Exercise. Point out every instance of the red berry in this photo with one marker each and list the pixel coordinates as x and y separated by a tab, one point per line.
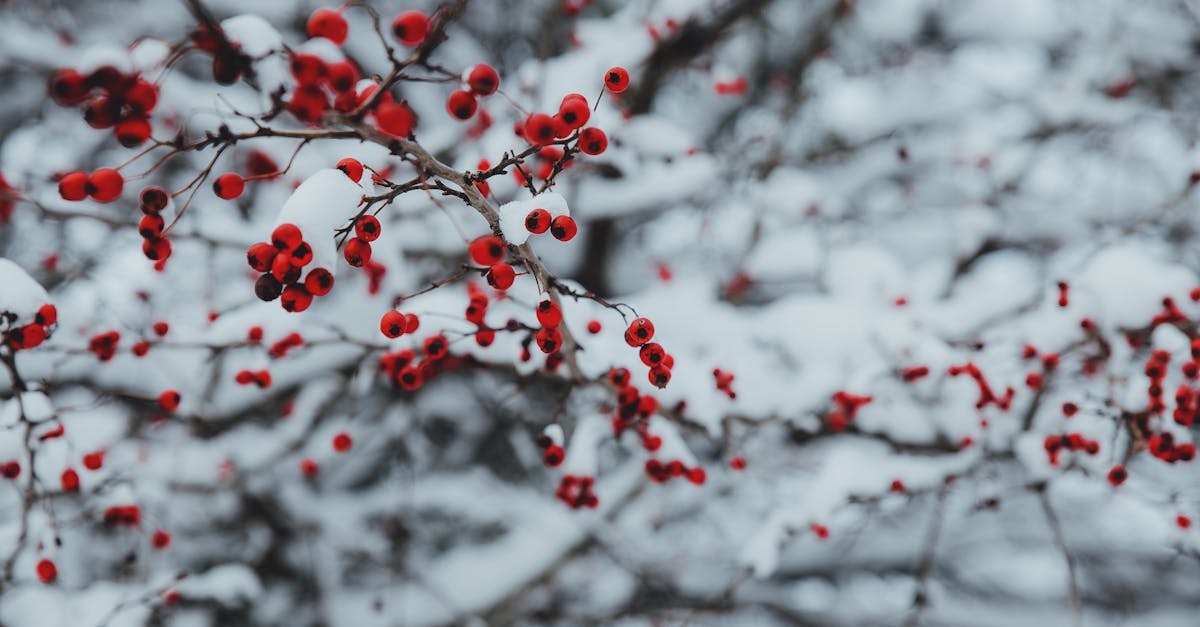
538	221
105	185
69	480
260	256
592	141
563	228
738	463
319	282
161	328
142	97
462	104
47	572
1117	475
392	324
367	228
300	256
540	129
67	87
483	79
160	539
697	475
308	467
352	167
295	298
395	119
593	326
229	186
342	76
169	400
640	331
46	315
156	249
485	337
574	112
342	442
154	199
411	323
436	347
94	460
616	80
410	28
329	24
286	237
151	226
652	354
73	186
549	314
357	252
487	250
10	470
659	376
554	455
548	339
132	132
501	276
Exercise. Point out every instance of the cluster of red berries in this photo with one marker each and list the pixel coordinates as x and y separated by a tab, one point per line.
577	492
661	473
394	324
33	334
553	453
282	261
402	368
116	100
562	227
846	406
549	160
476	311
638	335
316	82
1170	313
285	344
634	409
1062	294
261	378
123	516
986	395
104	345
724	381
155	244
1056	444
357	251
102	185
1163	446
1156	371
481	80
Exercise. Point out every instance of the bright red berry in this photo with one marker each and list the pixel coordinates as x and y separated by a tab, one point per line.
160	539
549	314
169	400
105	185
483	79
593	326
352	167
501	276
357	252
319	282
73	186
368	228
574	112
47	572
538	221
410	28
487	250
392	324
462	104
616	79
540	129
295	298
329	24
286	237
229	185
639	332
309	468
592	141
342	442
69	480
94	460
132	132
563	228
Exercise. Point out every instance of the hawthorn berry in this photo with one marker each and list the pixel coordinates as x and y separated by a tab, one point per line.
342	442
229	186
659	376
286	237
697	475
395	119
94	460
616	79
301	255
141	97
47	572
652	354
485	337
267	288
342	77
392	324
353	168
549	314
538	221
357	252
11	470
151	226
367	228
154	199
554	455
73	186
501	276
548	339
169	400
619	377
160	540
105	185
319	282
295	298
260	256
309	468
462	104
132	132
409	378
329	24
410	28
738	463
640	331
486	250
540	129
156	249
563	228
1117	475
574	112
161	328
593	326
592	141
483	79
411	323
67	87
69	480
436	347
